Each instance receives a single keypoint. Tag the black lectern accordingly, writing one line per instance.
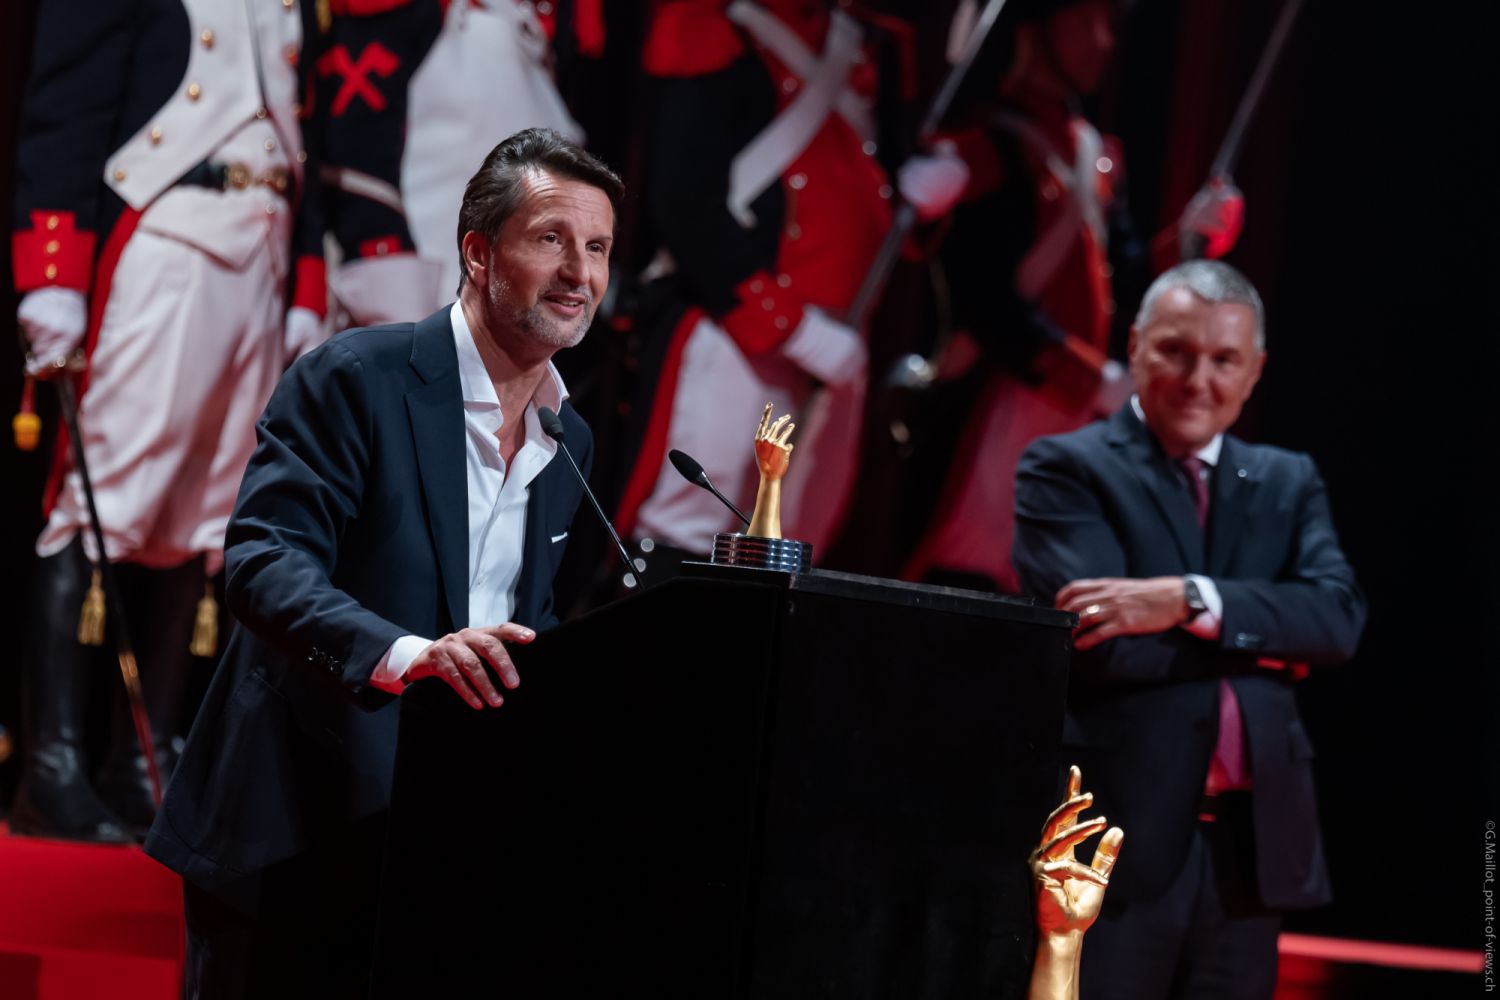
(742, 783)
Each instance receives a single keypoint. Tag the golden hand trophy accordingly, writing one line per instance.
(762, 545)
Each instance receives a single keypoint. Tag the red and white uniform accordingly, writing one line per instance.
(771, 204)
(186, 285)
(1062, 274)
(429, 89)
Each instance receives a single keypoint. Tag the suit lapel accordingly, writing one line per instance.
(1162, 482)
(436, 411)
(1234, 487)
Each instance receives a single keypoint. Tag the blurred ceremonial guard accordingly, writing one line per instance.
(160, 163)
(415, 94)
(769, 190)
(1031, 263)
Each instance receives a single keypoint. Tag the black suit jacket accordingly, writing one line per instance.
(1142, 721)
(351, 530)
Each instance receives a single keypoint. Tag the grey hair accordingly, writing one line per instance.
(1212, 281)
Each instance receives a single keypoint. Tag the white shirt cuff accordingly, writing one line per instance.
(1207, 624)
(390, 672)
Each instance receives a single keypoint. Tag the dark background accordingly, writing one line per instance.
(1368, 181)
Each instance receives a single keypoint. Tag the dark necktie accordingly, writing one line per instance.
(1227, 770)
(1195, 469)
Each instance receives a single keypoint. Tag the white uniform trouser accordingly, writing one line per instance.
(977, 534)
(716, 407)
(189, 350)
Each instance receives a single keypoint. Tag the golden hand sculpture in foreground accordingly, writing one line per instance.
(1069, 893)
(773, 455)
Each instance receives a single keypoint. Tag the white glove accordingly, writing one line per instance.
(1215, 215)
(934, 184)
(304, 331)
(1115, 388)
(830, 351)
(54, 321)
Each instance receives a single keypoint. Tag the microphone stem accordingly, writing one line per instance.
(725, 501)
(608, 525)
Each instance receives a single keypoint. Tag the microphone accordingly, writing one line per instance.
(693, 473)
(552, 426)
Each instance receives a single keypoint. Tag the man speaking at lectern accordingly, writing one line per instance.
(1205, 571)
(401, 518)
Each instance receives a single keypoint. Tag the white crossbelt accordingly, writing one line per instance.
(766, 157)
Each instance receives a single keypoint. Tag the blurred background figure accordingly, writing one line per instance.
(775, 137)
(159, 171)
(415, 93)
(1035, 256)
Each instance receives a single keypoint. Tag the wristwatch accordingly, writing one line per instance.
(1195, 602)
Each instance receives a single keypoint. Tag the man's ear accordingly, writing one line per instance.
(476, 256)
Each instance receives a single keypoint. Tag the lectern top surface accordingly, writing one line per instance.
(897, 592)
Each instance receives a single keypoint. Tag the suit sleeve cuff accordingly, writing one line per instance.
(310, 286)
(53, 252)
(768, 313)
(390, 672)
(1209, 623)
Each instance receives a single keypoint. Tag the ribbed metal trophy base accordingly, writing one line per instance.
(786, 554)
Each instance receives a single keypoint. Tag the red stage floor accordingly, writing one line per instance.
(105, 923)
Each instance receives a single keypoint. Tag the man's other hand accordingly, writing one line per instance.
(460, 659)
(1111, 607)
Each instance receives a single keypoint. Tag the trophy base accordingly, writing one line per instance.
(786, 554)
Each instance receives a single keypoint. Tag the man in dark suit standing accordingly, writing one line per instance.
(1206, 573)
(401, 518)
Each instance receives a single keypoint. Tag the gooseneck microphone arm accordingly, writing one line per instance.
(552, 426)
(693, 472)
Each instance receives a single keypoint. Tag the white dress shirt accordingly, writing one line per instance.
(1209, 623)
(497, 497)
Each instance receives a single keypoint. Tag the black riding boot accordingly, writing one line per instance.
(162, 604)
(54, 798)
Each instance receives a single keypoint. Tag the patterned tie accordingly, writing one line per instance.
(1227, 771)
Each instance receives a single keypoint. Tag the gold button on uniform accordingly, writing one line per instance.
(194, 91)
(52, 247)
(301, 156)
(207, 38)
(156, 136)
(52, 222)
(270, 145)
(261, 112)
(51, 271)
(119, 175)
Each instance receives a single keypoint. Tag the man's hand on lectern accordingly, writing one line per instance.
(459, 660)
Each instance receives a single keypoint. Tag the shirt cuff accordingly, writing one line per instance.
(390, 672)
(1207, 624)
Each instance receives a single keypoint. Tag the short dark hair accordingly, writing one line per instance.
(494, 193)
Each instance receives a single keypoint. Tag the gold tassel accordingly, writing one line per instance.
(91, 618)
(206, 627)
(26, 425)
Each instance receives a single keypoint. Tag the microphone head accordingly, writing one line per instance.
(552, 424)
(689, 467)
